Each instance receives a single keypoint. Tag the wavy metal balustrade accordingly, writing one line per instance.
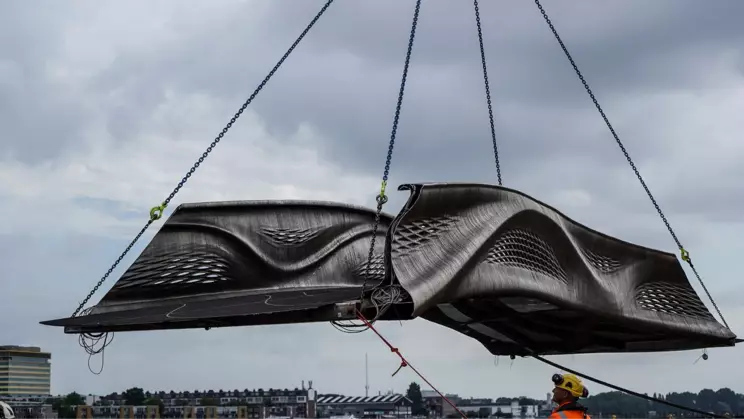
(487, 261)
(521, 277)
(243, 263)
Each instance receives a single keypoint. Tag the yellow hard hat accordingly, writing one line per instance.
(570, 383)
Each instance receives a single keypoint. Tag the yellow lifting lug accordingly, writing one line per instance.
(382, 198)
(157, 212)
(685, 255)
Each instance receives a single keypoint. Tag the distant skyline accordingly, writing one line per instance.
(102, 117)
(424, 389)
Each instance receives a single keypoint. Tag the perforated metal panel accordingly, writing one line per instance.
(289, 236)
(176, 268)
(671, 298)
(416, 233)
(600, 262)
(373, 271)
(522, 249)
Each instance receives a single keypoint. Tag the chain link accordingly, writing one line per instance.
(488, 90)
(156, 212)
(111, 269)
(685, 254)
(246, 103)
(382, 198)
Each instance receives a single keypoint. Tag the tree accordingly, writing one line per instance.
(65, 411)
(706, 400)
(209, 401)
(63, 406)
(134, 396)
(729, 398)
(154, 401)
(503, 400)
(73, 399)
(417, 400)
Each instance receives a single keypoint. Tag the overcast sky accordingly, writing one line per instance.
(105, 105)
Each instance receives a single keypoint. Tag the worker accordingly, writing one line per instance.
(566, 393)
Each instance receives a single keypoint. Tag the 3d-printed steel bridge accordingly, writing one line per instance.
(487, 261)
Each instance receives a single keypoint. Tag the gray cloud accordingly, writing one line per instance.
(30, 96)
(666, 73)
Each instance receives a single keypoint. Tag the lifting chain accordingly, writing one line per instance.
(685, 255)
(643, 396)
(381, 197)
(488, 90)
(157, 212)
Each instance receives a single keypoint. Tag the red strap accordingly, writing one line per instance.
(404, 363)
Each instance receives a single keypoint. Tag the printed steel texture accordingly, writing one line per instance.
(486, 261)
(241, 263)
(520, 276)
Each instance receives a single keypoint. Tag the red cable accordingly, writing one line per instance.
(404, 362)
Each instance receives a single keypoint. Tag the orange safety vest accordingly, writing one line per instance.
(569, 410)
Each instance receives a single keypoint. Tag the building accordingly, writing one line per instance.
(384, 405)
(479, 407)
(25, 374)
(436, 406)
(489, 408)
(211, 403)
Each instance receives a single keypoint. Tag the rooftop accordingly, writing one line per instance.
(27, 351)
(20, 348)
(338, 399)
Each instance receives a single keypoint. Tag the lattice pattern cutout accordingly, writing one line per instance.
(290, 236)
(376, 270)
(178, 268)
(523, 249)
(416, 233)
(671, 298)
(602, 263)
